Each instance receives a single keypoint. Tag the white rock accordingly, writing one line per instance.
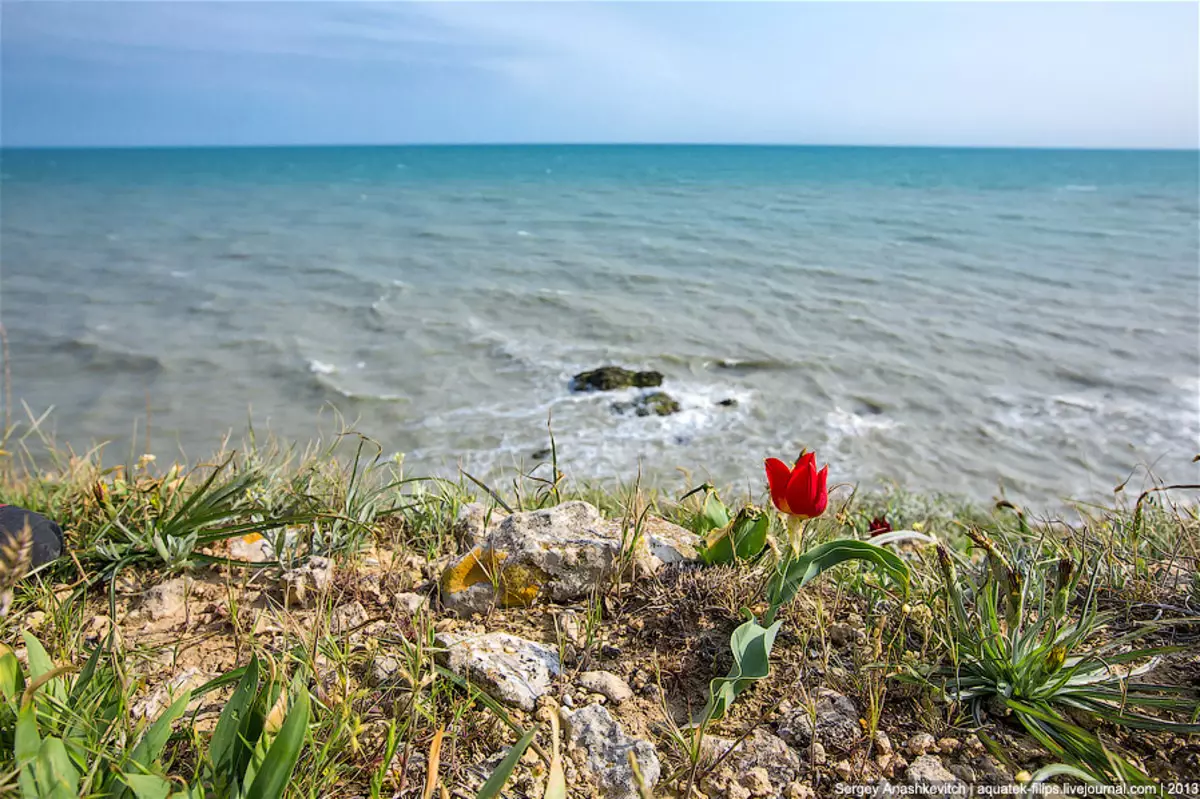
(308, 581)
(760, 749)
(347, 617)
(560, 554)
(167, 598)
(607, 684)
(154, 703)
(920, 743)
(511, 669)
(411, 603)
(600, 749)
(928, 770)
(836, 722)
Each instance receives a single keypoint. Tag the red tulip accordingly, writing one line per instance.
(799, 491)
(879, 525)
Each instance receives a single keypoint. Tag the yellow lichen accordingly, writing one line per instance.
(479, 566)
(517, 584)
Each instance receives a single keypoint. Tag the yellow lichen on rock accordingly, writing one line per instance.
(479, 566)
(518, 584)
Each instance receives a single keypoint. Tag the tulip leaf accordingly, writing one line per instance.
(795, 573)
(751, 645)
(741, 539)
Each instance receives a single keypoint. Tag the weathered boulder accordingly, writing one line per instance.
(600, 750)
(558, 553)
(834, 723)
(511, 669)
(656, 403)
(761, 764)
(610, 378)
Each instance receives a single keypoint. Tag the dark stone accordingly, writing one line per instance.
(541, 454)
(610, 378)
(47, 535)
(656, 403)
(727, 403)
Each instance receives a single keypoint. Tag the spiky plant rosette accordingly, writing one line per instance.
(1016, 647)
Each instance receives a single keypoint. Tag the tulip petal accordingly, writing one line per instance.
(807, 459)
(778, 475)
(821, 497)
(800, 488)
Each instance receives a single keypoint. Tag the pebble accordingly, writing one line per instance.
(919, 744)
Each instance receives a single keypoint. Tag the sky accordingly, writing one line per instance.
(178, 72)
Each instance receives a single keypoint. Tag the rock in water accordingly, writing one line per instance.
(656, 403)
(558, 553)
(513, 670)
(47, 535)
(610, 378)
(601, 749)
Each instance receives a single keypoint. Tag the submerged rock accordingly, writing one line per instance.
(600, 749)
(557, 553)
(610, 378)
(656, 403)
(511, 669)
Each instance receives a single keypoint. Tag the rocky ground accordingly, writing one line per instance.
(562, 610)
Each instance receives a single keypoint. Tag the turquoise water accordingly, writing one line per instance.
(950, 319)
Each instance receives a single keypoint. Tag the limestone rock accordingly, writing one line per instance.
(345, 618)
(759, 750)
(920, 743)
(609, 378)
(559, 554)
(928, 770)
(607, 684)
(836, 724)
(167, 599)
(474, 522)
(511, 669)
(300, 585)
(411, 603)
(600, 749)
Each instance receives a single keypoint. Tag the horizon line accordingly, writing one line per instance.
(499, 144)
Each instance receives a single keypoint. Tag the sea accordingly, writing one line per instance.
(977, 322)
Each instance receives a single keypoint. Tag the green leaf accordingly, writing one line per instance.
(12, 683)
(56, 775)
(751, 645)
(794, 574)
(226, 745)
(499, 777)
(743, 538)
(147, 786)
(39, 660)
(277, 768)
(150, 747)
(26, 746)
